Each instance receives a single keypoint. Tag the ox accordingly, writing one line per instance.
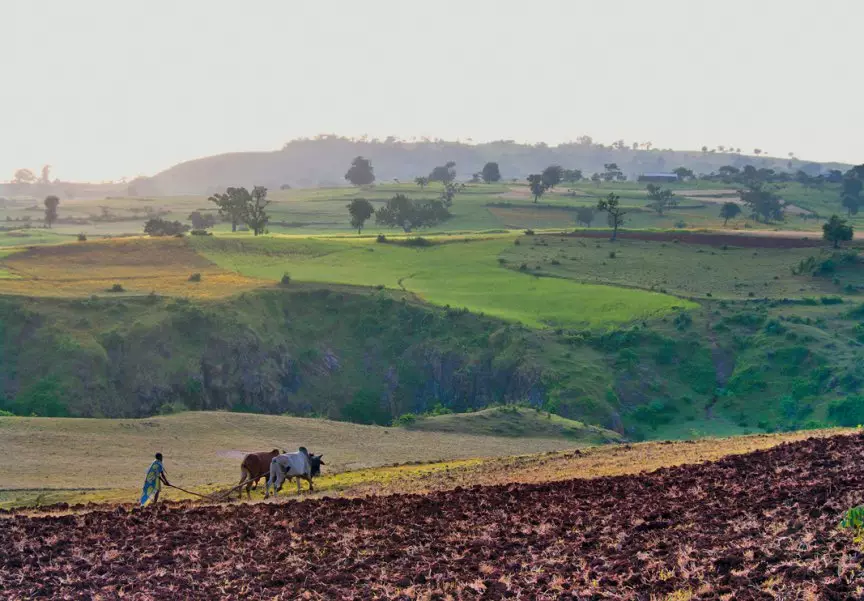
(254, 467)
(301, 464)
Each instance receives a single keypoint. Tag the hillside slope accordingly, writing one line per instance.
(324, 161)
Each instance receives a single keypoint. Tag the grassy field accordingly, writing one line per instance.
(687, 270)
(463, 273)
(61, 459)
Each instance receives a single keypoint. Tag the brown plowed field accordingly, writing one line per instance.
(756, 526)
(764, 239)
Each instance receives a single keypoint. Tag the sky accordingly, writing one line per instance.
(104, 89)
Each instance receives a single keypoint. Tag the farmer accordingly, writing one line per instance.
(154, 480)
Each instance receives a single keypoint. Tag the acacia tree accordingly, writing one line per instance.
(729, 210)
(615, 213)
(491, 173)
(762, 202)
(361, 172)
(256, 217)
(360, 210)
(232, 205)
(661, 198)
(535, 183)
(836, 230)
(51, 203)
(401, 211)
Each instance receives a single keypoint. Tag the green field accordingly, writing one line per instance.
(461, 274)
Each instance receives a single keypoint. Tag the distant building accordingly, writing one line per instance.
(659, 177)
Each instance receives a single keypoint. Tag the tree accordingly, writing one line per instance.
(757, 151)
(764, 204)
(491, 173)
(448, 193)
(201, 221)
(850, 196)
(360, 210)
(476, 177)
(611, 172)
(552, 176)
(535, 183)
(572, 175)
(443, 173)
(256, 217)
(421, 181)
(51, 203)
(585, 215)
(661, 198)
(401, 211)
(161, 227)
(836, 230)
(361, 172)
(233, 205)
(612, 207)
(729, 210)
(683, 173)
(46, 175)
(23, 176)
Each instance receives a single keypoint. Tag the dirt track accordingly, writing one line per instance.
(757, 526)
(750, 239)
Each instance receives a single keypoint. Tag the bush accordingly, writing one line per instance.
(680, 224)
(405, 420)
(286, 279)
(201, 233)
(82, 237)
(161, 227)
(381, 239)
(683, 321)
(418, 241)
(611, 254)
(116, 288)
(195, 277)
(529, 232)
(831, 300)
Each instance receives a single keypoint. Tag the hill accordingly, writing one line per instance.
(509, 421)
(323, 162)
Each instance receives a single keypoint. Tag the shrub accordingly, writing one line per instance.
(529, 232)
(286, 279)
(82, 237)
(555, 262)
(4, 413)
(611, 254)
(116, 288)
(418, 241)
(683, 321)
(523, 267)
(502, 261)
(195, 277)
(405, 420)
(162, 227)
(831, 300)
(381, 239)
(201, 233)
(680, 224)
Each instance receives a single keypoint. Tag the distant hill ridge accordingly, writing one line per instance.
(323, 161)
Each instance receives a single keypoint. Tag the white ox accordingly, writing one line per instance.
(292, 465)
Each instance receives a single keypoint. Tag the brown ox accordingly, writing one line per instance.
(254, 467)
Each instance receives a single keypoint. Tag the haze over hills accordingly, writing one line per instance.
(323, 161)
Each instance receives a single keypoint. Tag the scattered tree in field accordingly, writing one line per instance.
(585, 216)
(552, 176)
(256, 217)
(850, 196)
(476, 177)
(596, 178)
(491, 173)
(851, 203)
(729, 210)
(661, 198)
(232, 205)
(46, 175)
(361, 172)
(705, 149)
(683, 173)
(535, 183)
(360, 210)
(421, 181)
(572, 175)
(23, 176)
(757, 151)
(401, 211)
(449, 192)
(443, 173)
(764, 204)
(836, 230)
(611, 172)
(615, 213)
(162, 227)
(200, 221)
(51, 203)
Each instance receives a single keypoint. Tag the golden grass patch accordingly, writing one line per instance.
(138, 265)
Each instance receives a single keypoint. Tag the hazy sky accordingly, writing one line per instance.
(102, 89)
